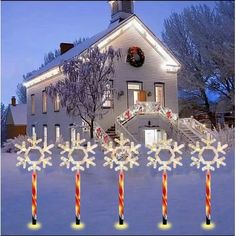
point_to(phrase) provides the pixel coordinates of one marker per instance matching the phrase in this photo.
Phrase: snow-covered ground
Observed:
(99, 210)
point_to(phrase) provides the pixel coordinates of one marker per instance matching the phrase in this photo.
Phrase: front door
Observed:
(133, 91)
(153, 136)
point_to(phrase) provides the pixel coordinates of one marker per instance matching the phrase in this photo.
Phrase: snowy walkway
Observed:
(99, 210)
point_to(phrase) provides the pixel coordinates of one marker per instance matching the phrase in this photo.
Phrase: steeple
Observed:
(121, 9)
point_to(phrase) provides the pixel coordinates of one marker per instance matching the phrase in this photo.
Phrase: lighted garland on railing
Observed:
(146, 108)
(102, 135)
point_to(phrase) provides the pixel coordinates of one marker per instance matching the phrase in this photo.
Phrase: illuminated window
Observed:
(44, 102)
(160, 93)
(57, 103)
(134, 86)
(133, 91)
(45, 133)
(33, 131)
(108, 96)
(57, 133)
(32, 104)
(72, 132)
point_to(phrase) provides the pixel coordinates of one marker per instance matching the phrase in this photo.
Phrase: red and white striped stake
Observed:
(34, 197)
(121, 197)
(77, 198)
(164, 198)
(208, 197)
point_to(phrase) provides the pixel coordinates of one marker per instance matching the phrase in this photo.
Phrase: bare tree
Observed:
(83, 91)
(195, 36)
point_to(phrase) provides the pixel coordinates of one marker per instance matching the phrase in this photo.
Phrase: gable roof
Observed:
(99, 39)
(17, 114)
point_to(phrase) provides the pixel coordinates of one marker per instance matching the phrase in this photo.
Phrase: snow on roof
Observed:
(19, 114)
(78, 49)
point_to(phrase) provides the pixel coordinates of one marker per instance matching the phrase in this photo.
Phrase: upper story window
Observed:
(44, 102)
(160, 93)
(32, 104)
(108, 95)
(57, 103)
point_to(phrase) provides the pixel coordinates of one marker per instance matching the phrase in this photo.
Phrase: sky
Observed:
(30, 29)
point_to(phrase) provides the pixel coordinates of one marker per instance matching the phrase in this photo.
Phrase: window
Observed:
(45, 134)
(32, 104)
(72, 132)
(57, 103)
(44, 102)
(108, 96)
(160, 93)
(133, 91)
(57, 133)
(33, 131)
(134, 86)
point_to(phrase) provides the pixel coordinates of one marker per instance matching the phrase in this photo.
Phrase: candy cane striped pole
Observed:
(77, 198)
(121, 197)
(164, 198)
(34, 197)
(208, 197)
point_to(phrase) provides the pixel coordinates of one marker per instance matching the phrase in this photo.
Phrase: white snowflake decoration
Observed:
(123, 155)
(208, 164)
(164, 144)
(76, 145)
(25, 159)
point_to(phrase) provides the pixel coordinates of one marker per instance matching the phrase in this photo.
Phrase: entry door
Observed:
(153, 136)
(133, 90)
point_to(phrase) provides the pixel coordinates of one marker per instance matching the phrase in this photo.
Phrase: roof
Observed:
(80, 48)
(19, 114)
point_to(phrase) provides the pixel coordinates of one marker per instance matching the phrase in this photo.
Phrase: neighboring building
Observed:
(16, 119)
(153, 79)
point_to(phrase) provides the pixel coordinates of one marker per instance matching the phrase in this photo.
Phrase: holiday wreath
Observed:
(135, 56)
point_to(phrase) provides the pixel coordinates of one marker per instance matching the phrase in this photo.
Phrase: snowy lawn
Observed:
(99, 199)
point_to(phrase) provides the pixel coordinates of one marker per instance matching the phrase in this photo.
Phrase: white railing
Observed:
(141, 108)
(121, 129)
(100, 134)
(197, 127)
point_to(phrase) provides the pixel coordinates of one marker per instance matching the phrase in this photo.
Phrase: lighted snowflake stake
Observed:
(122, 156)
(208, 165)
(25, 159)
(166, 145)
(173, 148)
(77, 165)
(34, 165)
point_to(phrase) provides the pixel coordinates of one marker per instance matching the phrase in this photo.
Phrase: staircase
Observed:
(189, 128)
(112, 133)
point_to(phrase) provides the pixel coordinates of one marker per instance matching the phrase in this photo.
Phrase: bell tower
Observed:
(121, 9)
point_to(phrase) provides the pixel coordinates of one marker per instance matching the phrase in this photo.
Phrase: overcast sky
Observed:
(31, 29)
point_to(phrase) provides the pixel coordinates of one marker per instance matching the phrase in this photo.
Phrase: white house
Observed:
(148, 81)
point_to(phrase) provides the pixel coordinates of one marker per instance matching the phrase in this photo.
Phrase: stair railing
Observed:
(197, 127)
(121, 129)
(101, 135)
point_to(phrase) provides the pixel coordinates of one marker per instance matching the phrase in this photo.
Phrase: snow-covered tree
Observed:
(203, 43)
(4, 111)
(83, 90)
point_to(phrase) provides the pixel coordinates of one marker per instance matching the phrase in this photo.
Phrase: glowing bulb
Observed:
(34, 227)
(121, 227)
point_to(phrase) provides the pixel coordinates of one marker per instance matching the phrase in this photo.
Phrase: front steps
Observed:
(112, 133)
